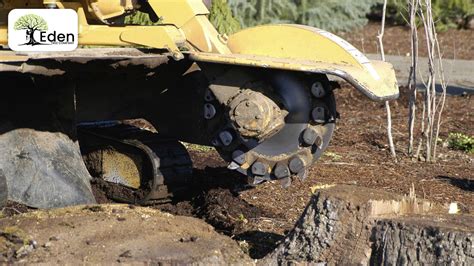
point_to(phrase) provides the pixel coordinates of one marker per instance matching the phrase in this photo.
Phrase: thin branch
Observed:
(387, 104)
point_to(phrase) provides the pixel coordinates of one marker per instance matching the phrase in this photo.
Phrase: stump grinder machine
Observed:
(261, 97)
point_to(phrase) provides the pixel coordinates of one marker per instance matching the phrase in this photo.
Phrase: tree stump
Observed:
(425, 240)
(355, 225)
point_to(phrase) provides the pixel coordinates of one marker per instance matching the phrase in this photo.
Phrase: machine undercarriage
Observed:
(269, 125)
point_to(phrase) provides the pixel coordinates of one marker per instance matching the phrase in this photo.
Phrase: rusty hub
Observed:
(254, 115)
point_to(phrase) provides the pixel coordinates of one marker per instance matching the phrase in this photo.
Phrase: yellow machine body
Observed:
(186, 31)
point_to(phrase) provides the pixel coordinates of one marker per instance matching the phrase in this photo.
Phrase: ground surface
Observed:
(97, 234)
(257, 218)
(359, 155)
(454, 44)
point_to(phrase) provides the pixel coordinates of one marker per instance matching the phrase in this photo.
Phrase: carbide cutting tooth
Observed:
(239, 157)
(285, 182)
(257, 180)
(302, 174)
(233, 166)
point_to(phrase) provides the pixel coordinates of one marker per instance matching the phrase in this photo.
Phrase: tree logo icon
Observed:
(31, 23)
(42, 29)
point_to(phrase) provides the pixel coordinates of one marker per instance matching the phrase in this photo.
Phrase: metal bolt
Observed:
(209, 111)
(226, 138)
(319, 115)
(309, 136)
(297, 165)
(208, 96)
(282, 171)
(317, 90)
(215, 142)
(259, 169)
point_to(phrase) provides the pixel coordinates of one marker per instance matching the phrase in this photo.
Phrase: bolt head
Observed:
(208, 96)
(319, 115)
(317, 89)
(209, 111)
(226, 138)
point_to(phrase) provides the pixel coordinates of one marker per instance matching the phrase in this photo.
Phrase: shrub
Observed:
(139, 18)
(221, 17)
(459, 141)
(447, 13)
(332, 15)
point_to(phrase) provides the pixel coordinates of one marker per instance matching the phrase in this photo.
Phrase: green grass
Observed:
(332, 155)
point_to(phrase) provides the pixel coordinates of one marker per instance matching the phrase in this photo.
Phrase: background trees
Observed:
(344, 15)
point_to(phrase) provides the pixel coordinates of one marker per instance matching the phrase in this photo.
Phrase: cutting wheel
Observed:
(277, 127)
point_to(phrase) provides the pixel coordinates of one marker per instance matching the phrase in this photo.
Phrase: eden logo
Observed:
(36, 30)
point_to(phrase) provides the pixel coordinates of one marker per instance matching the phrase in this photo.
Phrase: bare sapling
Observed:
(412, 7)
(387, 104)
(433, 103)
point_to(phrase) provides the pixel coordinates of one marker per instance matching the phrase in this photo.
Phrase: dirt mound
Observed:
(113, 233)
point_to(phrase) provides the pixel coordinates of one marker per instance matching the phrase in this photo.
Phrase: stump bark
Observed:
(355, 225)
(425, 240)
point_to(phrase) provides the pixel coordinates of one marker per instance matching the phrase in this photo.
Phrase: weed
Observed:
(460, 141)
(334, 156)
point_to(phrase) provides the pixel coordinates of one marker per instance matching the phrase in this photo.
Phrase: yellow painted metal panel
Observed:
(291, 41)
(178, 12)
(384, 88)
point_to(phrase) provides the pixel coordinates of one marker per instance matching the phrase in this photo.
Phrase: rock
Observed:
(470, 22)
(341, 225)
(32, 160)
(126, 254)
(24, 250)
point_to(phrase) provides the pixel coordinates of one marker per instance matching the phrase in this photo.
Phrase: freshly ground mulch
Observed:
(454, 44)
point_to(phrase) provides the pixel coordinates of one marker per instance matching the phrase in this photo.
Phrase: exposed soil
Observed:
(454, 44)
(95, 235)
(359, 155)
(257, 218)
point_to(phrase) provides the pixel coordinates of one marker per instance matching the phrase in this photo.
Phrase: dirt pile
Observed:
(113, 233)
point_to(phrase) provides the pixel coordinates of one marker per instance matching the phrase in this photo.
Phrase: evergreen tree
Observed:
(221, 17)
(332, 15)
